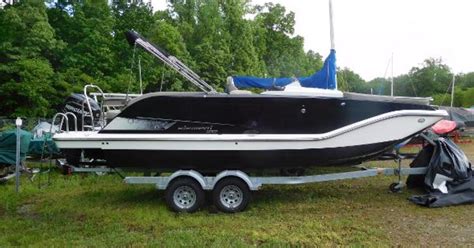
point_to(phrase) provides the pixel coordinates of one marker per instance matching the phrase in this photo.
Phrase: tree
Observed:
(170, 40)
(90, 46)
(212, 52)
(468, 97)
(48, 52)
(351, 81)
(282, 54)
(244, 59)
(139, 17)
(313, 62)
(28, 44)
(465, 81)
(433, 77)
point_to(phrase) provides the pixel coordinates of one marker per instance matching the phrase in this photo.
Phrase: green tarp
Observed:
(36, 146)
(8, 146)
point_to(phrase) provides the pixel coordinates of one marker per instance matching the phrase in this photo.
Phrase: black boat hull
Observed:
(196, 113)
(244, 160)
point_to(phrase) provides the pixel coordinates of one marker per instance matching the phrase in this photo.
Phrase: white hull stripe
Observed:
(386, 127)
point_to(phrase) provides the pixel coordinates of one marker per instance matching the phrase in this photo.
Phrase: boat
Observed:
(296, 122)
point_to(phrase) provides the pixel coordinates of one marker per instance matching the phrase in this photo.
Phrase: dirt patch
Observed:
(468, 149)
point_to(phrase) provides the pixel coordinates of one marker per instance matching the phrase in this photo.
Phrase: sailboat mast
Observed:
(391, 80)
(331, 32)
(331, 25)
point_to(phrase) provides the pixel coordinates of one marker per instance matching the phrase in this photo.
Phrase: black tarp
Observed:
(461, 115)
(449, 179)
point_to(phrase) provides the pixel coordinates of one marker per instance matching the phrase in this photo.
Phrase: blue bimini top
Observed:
(323, 79)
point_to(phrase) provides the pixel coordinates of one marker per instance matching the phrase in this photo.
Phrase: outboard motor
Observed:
(76, 104)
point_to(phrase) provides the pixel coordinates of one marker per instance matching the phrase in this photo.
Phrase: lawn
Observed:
(91, 210)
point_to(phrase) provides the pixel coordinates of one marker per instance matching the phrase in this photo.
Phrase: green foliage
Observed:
(433, 77)
(282, 54)
(28, 44)
(351, 81)
(169, 38)
(465, 81)
(48, 52)
(244, 59)
(445, 99)
(462, 98)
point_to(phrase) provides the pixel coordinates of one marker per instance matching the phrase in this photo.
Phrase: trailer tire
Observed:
(231, 195)
(395, 188)
(184, 195)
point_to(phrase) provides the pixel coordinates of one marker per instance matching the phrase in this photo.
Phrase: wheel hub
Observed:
(231, 196)
(184, 197)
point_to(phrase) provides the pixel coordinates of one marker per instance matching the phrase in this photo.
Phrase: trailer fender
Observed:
(252, 184)
(183, 173)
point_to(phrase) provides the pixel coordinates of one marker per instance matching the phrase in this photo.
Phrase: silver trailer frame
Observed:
(231, 189)
(255, 183)
(7, 177)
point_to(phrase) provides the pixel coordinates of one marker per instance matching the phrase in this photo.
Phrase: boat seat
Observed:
(110, 114)
(232, 90)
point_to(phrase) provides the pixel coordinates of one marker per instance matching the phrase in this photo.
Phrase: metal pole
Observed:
(140, 75)
(331, 25)
(452, 90)
(331, 30)
(18, 123)
(391, 81)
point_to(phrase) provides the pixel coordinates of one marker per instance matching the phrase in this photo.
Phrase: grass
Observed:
(90, 210)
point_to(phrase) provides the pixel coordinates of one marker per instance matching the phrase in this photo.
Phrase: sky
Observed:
(368, 32)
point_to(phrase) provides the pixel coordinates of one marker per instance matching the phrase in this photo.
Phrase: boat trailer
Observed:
(7, 177)
(231, 189)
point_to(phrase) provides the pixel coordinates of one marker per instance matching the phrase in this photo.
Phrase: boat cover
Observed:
(324, 78)
(8, 146)
(462, 115)
(43, 127)
(43, 146)
(449, 179)
(42, 143)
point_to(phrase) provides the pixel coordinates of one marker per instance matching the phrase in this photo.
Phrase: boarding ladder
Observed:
(43, 169)
(89, 114)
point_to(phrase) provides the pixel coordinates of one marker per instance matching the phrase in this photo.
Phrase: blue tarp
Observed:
(324, 78)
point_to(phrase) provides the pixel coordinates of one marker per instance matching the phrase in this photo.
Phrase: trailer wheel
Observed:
(395, 188)
(231, 195)
(184, 195)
